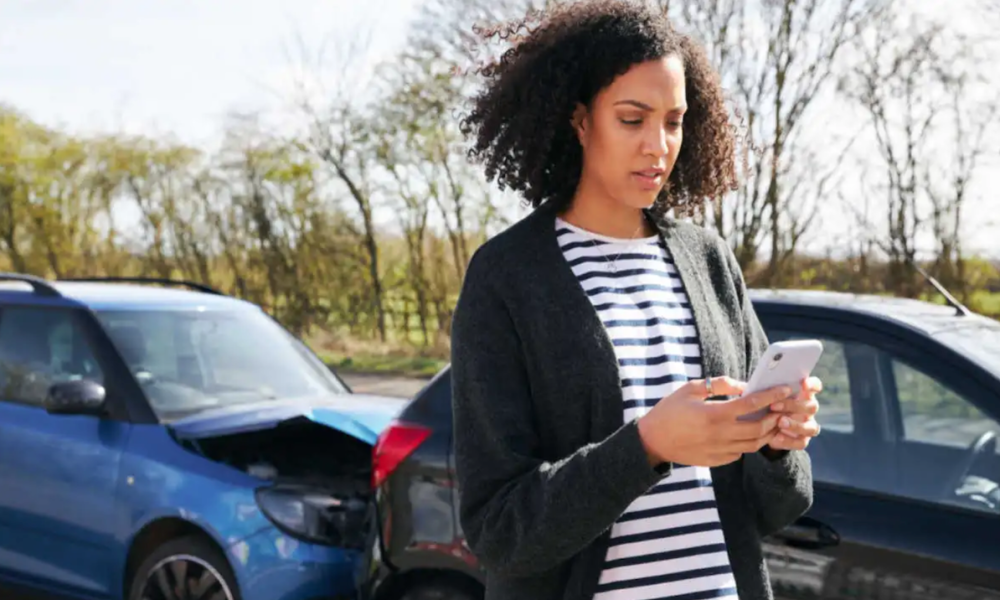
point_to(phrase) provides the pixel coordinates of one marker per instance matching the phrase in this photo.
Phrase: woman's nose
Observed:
(656, 142)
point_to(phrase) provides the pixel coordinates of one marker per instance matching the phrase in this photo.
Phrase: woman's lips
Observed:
(648, 180)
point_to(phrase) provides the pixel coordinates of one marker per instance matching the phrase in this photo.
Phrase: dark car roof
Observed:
(974, 336)
(924, 316)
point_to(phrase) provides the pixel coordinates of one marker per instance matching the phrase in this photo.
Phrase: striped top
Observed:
(669, 542)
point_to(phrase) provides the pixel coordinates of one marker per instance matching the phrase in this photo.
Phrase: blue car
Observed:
(175, 444)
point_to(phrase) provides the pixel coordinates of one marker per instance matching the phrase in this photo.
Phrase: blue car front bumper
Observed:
(271, 565)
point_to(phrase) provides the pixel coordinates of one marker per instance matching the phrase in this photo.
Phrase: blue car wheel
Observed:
(187, 568)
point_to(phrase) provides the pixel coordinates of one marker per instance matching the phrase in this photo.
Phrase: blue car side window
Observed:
(40, 347)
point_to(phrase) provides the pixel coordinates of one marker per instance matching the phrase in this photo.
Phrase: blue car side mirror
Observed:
(80, 397)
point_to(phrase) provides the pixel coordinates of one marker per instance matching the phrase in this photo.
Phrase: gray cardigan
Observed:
(544, 461)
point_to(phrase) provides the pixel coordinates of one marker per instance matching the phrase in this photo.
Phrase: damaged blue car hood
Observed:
(358, 415)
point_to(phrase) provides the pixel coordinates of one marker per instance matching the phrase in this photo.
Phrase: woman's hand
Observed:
(797, 418)
(683, 428)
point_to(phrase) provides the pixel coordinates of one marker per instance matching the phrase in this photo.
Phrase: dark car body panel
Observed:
(884, 545)
(419, 533)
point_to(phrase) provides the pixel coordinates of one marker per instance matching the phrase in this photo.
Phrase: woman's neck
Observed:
(608, 218)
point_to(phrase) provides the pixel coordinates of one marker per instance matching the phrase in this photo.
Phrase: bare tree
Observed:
(452, 27)
(407, 195)
(972, 108)
(779, 56)
(340, 134)
(914, 82)
(991, 7)
(445, 47)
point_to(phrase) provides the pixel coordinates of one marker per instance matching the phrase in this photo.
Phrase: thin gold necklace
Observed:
(613, 263)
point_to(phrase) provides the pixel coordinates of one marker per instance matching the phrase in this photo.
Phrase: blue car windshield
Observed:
(188, 361)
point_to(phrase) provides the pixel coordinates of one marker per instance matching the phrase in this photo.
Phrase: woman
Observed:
(589, 335)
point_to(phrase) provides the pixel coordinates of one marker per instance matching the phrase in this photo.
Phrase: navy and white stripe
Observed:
(669, 542)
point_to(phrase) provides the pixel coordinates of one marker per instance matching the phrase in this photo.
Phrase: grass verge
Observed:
(408, 366)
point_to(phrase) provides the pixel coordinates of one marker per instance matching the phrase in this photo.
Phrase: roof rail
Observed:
(189, 284)
(41, 286)
(960, 309)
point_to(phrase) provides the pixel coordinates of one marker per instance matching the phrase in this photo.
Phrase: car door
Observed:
(867, 536)
(58, 472)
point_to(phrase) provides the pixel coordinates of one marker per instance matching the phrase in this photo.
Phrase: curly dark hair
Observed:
(520, 123)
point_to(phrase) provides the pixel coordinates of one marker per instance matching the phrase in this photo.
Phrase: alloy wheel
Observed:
(184, 577)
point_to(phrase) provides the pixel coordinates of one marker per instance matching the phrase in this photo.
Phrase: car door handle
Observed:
(808, 533)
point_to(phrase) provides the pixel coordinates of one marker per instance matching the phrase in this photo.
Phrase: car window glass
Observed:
(933, 413)
(40, 347)
(835, 401)
(949, 450)
(833, 451)
(192, 360)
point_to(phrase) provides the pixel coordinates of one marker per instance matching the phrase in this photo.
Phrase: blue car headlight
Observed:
(316, 516)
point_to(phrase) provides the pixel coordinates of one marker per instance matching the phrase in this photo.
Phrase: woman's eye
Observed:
(676, 124)
(632, 121)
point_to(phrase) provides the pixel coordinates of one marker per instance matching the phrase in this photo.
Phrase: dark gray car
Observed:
(907, 470)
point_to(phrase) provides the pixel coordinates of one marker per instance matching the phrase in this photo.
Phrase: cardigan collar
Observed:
(562, 283)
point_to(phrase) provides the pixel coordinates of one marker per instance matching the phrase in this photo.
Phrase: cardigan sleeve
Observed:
(522, 515)
(779, 483)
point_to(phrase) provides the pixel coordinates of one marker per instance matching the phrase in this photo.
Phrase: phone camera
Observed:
(778, 357)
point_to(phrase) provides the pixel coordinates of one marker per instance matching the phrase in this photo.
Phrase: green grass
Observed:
(410, 366)
(986, 302)
(980, 301)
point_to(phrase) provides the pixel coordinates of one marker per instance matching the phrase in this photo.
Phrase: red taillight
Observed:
(397, 442)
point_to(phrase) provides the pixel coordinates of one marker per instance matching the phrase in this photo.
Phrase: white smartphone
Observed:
(784, 363)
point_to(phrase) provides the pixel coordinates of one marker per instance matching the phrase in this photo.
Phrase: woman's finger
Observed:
(716, 386)
(801, 405)
(796, 428)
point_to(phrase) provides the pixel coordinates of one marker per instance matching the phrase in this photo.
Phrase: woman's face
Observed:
(632, 134)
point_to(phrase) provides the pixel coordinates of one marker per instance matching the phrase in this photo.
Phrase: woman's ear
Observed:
(579, 122)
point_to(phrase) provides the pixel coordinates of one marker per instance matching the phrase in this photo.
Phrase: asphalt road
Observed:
(384, 385)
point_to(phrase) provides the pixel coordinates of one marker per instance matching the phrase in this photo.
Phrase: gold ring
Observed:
(708, 386)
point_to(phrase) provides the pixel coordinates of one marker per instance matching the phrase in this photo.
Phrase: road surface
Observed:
(384, 385)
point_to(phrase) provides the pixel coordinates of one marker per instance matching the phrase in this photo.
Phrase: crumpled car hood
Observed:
(359, 415)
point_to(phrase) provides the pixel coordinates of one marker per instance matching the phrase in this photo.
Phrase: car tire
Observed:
(440, 590)
(192, 558)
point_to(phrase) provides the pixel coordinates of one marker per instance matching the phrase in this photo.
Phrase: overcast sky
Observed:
(174, 66)
(178, 66)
